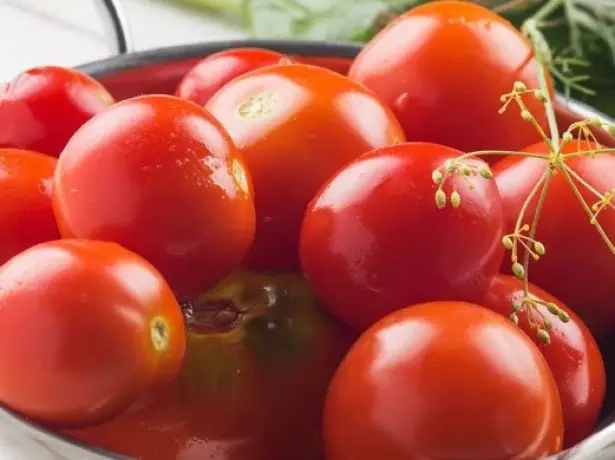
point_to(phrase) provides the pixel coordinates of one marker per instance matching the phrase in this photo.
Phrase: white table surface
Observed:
(70, 32)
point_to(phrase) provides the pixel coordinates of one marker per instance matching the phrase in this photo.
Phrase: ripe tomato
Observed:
(41, 108)
(87, 329)
(373, 239)
(442, 68)
(573, 355)
(577, 266)
(215, 71)
(296, 126)
(26, 216)
(260, 355)
(158, 175)
(443, 380)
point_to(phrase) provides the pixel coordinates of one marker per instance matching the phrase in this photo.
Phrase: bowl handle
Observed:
(116, 26)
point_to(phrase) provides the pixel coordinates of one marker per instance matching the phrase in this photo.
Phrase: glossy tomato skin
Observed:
(374, 241)
(443, 380)
(26, 215)
(41, 108)
(81, 323)
(213, 72)
(158, 175)
(578, 265)
(442, 68)
(253, 392)
(296, 126)
(572, 355)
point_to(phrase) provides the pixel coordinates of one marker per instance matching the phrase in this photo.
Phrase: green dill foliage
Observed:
(578, 35)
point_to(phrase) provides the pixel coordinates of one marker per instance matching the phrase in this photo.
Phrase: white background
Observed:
(71, 32)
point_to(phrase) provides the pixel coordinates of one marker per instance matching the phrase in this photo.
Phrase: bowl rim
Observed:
(309, 48)
(132, 60)
(42, 434)
(129, 61)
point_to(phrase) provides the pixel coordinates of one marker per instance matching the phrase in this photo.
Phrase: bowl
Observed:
(159, 71)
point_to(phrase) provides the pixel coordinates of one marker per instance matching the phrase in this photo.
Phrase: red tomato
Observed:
(158, 175)
(296, 126)
(443, 380)
(87, 329)
(26, 216)
(373, 239)
(41, 108)
(215, 71)
(253, 385)
(442, 68)
(573, 355)
(577, 267)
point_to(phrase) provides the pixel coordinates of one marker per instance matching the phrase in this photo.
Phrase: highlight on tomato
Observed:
(160, 176)
(443, 380)
(26, 214)
(571, 352)
(577, 265)
(212, 73)
(296, 125)
(42, 107)
(88, 330)
(443, 95)
(373, 240)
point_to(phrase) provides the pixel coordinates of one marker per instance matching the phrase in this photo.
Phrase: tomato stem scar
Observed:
(159, 333)
(256, 106)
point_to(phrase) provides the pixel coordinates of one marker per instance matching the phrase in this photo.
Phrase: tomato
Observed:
(296, 126)
(26, 215)
(443, 380)
(215, 71)
(373, 239)
(260, 354)
(158, 175)
(442, 68)
(573, 355)
(87, 330)
(577, 265)
(41, 108)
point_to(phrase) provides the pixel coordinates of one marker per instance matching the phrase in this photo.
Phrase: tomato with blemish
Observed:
(260, 354)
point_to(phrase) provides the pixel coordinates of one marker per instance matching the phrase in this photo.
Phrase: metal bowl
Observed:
(159, 71)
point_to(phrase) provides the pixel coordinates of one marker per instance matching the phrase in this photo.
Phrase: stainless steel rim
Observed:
(57, 444)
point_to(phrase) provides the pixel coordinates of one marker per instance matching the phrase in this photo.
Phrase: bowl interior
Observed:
(160, 71)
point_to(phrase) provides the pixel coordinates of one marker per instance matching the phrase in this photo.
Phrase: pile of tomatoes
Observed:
(254, 267)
